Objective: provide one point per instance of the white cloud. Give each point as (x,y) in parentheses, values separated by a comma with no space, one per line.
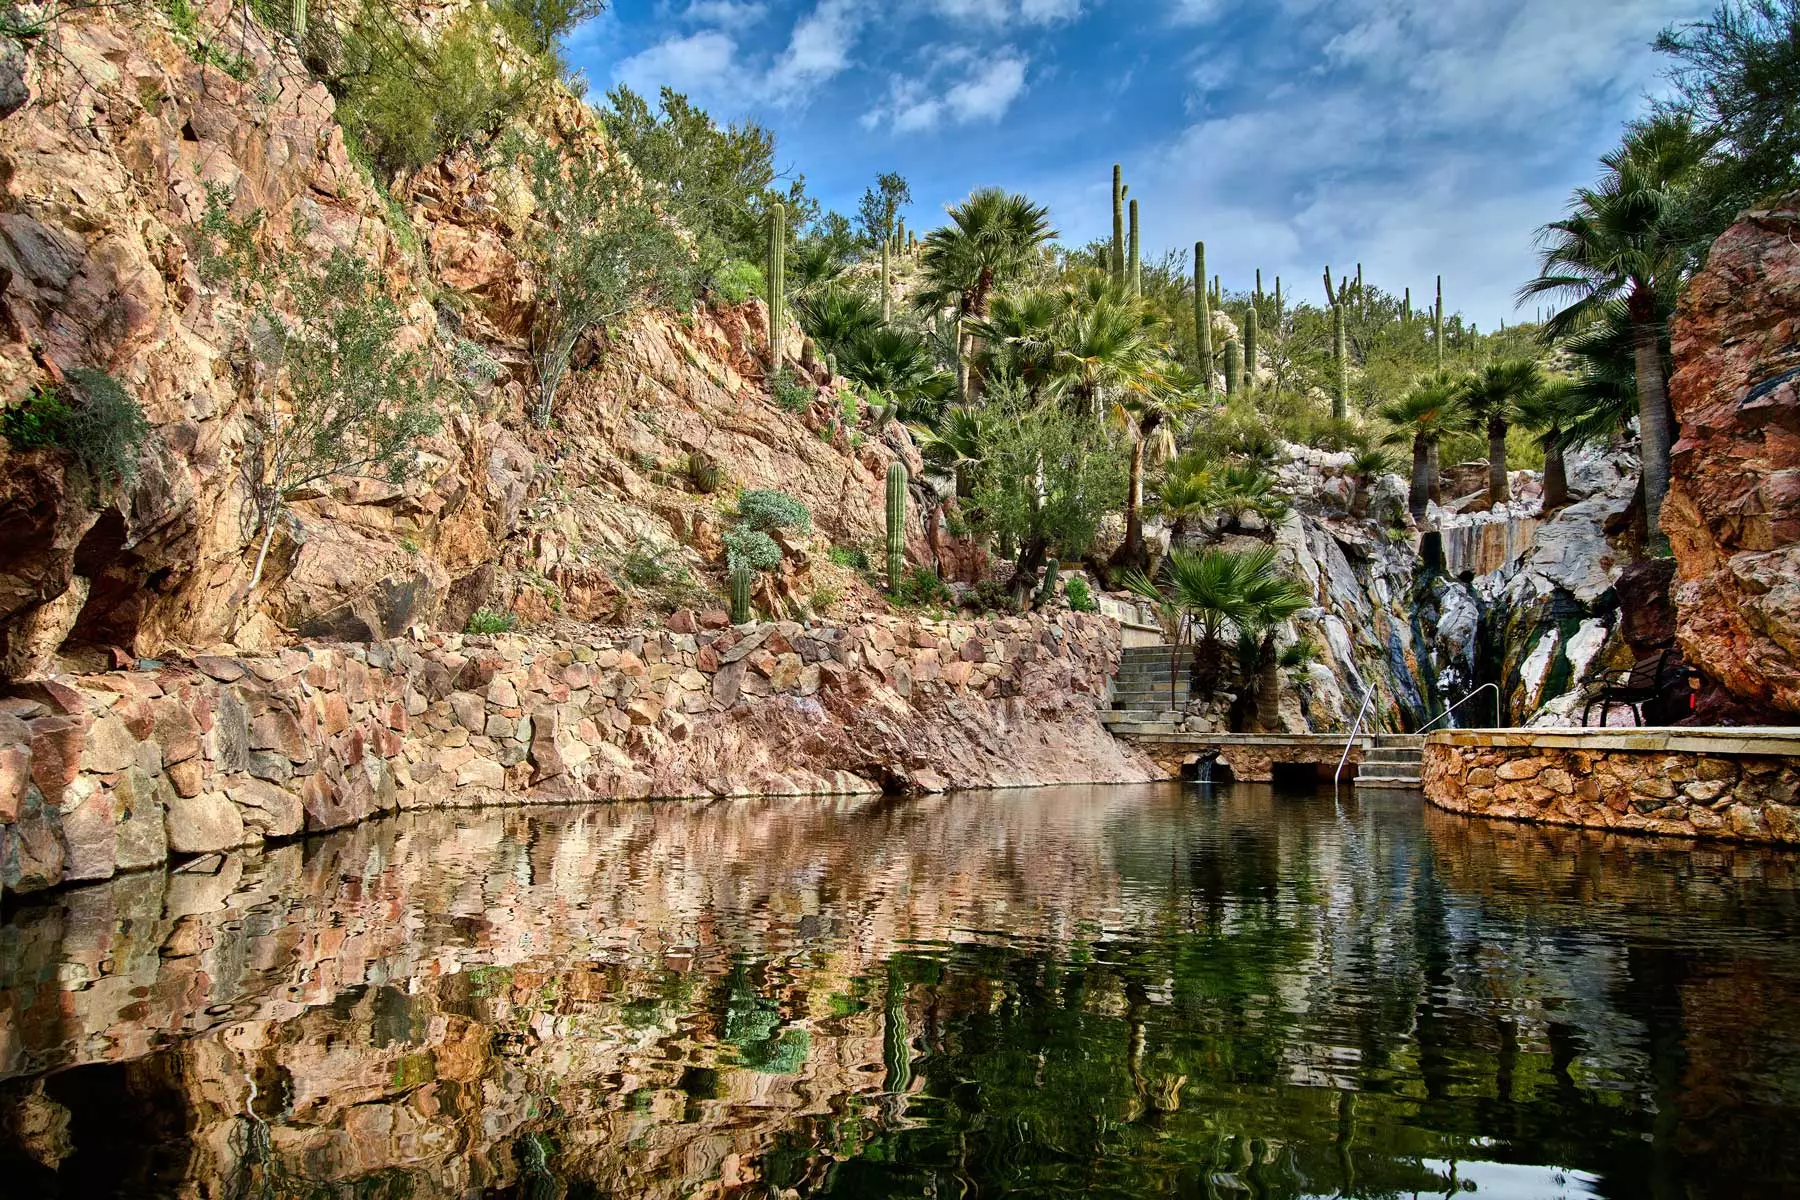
(1195,12)
(725,14)
(712,66)
(996,13)
(984,89)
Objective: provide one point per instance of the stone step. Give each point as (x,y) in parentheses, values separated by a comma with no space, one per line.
(1390,754)
(1388,781)
(1400,741)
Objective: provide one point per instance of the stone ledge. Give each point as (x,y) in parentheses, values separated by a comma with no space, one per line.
(1781,741)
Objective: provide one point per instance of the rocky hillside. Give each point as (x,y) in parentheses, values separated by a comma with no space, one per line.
(106,176)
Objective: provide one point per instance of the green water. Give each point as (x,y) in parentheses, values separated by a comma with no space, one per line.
(1148,991)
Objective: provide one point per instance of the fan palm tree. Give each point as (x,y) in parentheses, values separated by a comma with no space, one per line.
(1493,396)
(836,317)
(1151,413)
(955,446)
(1270,599)
(1101,350)
(1183,495)
(812,264)
(1623,241)
(1549,412)
(1212,589)
(896,362)
(1017,336)
(1431,409)
(992,236)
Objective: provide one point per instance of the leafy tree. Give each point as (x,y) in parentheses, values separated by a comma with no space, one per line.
(596,251)
(333,393)
(717,183)
(879,210)
(1493,398)
(90,415)
(1737,76)
(1047,476)
(540,25)
(1623,240)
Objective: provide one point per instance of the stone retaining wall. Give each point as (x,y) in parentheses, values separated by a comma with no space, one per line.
(105,773)
(1250,757)
(1741,784)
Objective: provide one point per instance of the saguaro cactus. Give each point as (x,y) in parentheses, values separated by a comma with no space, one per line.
(1406,306)
(1437,323)
(742,580)
(1234,370)
(777,281)
(1047,589)
(1134,268)
(1259,285)
(1340,350)
(1278,304)
(1203,319)
(887,289)
(1362,302)
(1250,323)
(896,524)
(1118,237)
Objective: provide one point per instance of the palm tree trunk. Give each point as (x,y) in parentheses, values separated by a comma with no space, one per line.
(1268,686)
(1131,551)
(1556,479)
(1498,491)
(1434,478)
(1654,429)
(1419,491)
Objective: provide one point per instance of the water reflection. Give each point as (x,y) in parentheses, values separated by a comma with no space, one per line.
(1084,991)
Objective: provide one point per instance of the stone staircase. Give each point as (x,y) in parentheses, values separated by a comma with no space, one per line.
(1395,761)
(1141,692)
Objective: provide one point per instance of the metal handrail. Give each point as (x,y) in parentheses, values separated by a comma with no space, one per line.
(1354,730)
(1484,687)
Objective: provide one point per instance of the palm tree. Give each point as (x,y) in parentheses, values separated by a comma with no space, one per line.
(1270,599)
(1422,417)
(836,317)
(1548,412)
(1212,588)
(1102,349)
(1493,396)
(894,361)
(1185,494)
(1151,414)
(1622,241)
(991,238)
(1017,336)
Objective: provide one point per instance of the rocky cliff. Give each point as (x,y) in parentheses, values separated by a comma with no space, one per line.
(105,177)
(1733,514)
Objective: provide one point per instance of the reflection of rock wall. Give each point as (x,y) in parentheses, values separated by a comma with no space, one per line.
(112,772)
(1733,512)
(1744,785)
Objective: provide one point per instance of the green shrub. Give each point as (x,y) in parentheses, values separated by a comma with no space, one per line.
(765,510)
(991,595)
(746,547)
(737,281)
(1080,598)
(790,393)
(488,621)
(854,557)
(921,588)
(92,417)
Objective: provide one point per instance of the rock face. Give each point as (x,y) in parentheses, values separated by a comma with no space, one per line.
(109,772)
(106,175)
(1733,513)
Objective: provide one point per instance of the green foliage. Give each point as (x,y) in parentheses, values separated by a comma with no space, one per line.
(993,236)
(539,25)
(408,98)
(880,207)
(991,595)
(921,588)
(596,252)
(487,621)
(1080,597)
(854,557)
(752,548)
(92,417)
(736,281)
(765,510)
(789,393)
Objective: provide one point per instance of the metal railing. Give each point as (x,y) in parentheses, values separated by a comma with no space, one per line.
(1484,687)
(1356,728)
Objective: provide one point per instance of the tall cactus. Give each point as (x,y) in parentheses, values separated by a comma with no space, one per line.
(896,524)
(1234,370)
(1437,323)
(1118,232)
(1340,351)
(1134,264)
(742,580)
(1258,296)
(777,282)
(1278,309)
(1203,319)
(1406,307)
(887,289)
(1362,302)
(1047,590)
(1250,324)
(900,236)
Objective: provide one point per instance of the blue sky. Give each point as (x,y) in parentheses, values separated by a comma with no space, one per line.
(1414,137)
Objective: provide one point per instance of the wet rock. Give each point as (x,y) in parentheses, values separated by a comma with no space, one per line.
(204,823)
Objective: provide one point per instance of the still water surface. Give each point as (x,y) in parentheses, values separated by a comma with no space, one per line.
(1143,991)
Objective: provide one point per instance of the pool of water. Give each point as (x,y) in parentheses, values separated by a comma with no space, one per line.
(1123,991)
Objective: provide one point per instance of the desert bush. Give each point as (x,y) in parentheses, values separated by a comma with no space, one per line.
(737,281)
(789,393)
(765,510)
(487,621)
(1080,598)
(921,588)
(92,417)
(746,547)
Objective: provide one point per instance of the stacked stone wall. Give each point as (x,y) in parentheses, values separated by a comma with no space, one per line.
(106,773)
(1739,784)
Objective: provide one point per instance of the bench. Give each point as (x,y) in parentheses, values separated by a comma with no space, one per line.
(1647,683)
